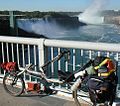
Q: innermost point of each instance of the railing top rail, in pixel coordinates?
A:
(20, 40)
(113, 47)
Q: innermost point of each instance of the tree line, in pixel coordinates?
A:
(38, 14)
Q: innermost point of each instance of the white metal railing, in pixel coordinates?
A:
(83, 45)
(37, 51)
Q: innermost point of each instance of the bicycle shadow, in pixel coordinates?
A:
(35, 94)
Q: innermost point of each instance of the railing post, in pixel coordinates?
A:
(41, 52)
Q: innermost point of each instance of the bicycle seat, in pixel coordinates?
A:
(67, 76)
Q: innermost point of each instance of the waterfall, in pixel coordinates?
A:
(40, 26)
(92, 14)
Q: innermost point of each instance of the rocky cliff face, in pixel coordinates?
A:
(4, 27)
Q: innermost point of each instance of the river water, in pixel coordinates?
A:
(95, 33)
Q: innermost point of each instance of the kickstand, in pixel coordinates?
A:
(25, 91)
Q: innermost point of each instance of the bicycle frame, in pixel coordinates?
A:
(41, 73)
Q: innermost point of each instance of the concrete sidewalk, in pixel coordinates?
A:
(31, 100)
(36, 100)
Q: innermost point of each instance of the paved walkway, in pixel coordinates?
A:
(31, 100)
(35, 100)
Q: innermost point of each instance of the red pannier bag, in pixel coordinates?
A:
(33, 86)
(10, 66)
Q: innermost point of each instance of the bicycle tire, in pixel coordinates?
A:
(74, 94)
(79, 101)
(15, 88)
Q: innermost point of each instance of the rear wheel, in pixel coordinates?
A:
(13, 85)
(81, 98)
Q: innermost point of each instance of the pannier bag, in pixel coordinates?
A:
(102, 86)
(104, 66)
(101, 90)
(10, 66)
(33, 86)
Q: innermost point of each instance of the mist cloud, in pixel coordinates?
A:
(92, 13)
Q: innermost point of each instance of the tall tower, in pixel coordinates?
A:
(13, 24)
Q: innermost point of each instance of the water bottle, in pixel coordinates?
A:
(76, 84)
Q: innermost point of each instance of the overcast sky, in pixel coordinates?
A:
(55, 5)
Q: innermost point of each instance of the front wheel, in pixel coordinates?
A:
(74, 94)
(81, 98)
(13, 85)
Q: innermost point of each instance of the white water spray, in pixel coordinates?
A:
(42, 27)
(92, 14)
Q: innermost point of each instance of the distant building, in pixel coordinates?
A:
(112, 20)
